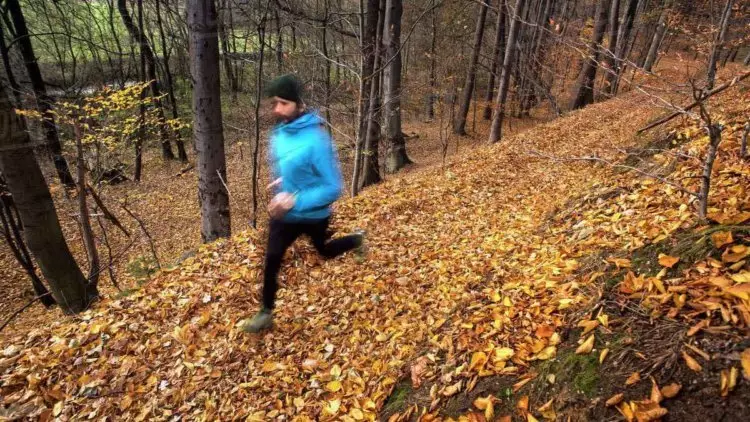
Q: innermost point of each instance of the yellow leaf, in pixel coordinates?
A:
(603, 355)
(332, 407)
(745, 360)
(502, 354)
(728, 381)
(616, 399)
(334, 386)
(586, 347)
(743, 277)
(299, 402)
(627, 411)
(588, 325)
(452, 389)
(523, 404)
(547, 353)
(667, 261)
(722, 238)
(670, 390)
(531, 418)
(57, 409)
(548, 410)
(482, 403)
(691, 362)
(478, 360)
(633, 378)
(125, 403)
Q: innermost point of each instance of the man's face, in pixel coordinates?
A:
(284, 110)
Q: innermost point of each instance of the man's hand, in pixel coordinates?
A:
(273, 185)
(280, 205)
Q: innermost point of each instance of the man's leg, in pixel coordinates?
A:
(330, 248)
(280, 236)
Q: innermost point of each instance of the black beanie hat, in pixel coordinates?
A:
(287, 87)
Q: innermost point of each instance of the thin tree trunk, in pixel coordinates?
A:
(138, 34)
(661, 30)
(279, 43)
(496, 132)
(84, 216)
(396, 155)
(718, 45)
(614, 30)
(459, 125)
(713, 147)
(14, 239)
(326, 68)
(207, 126)
(228, 68)
(9, 68)
(142, 109)
(371, 167)
(433, 62)
(181, 153)
(258, 89)
(44, 102)
(37, 213)
(496, 55)
(369, 37)
(585, 86)
(623, 39)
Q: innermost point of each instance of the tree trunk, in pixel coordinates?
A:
(459, 125)
(170, 84)
(43, 101)
(141, 138)
(326, 68)
(496, 54)
(714, 134)
(369, 29)
(261, 29)
(371, 167)
(587, 78)
(207, 126)
(9, 68)
(396, 155)
(84, 216)
(433, 62)
(496, 131)
(623, 39)
(228, 68)
(718, 45)
(661, 30)
(42, 230)
(743, 144)
(614, 30)
(137, 33)
(11, 228)
(279, 43)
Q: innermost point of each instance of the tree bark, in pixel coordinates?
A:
(623, 39)
(396, 155)
(614, 30)
(85, 217)
(44, 103)
(459, 125)
(207, 126)
(661, 30)
(228, 67)
(5, 53)
(433, 64)
(261, 29)
(369, 25)
(181, 153)
(718, 45)
(36, 210)
(371, 167)
(138, 34)
(496, 54)
(496, 131)
(12, 232)
(585, 86)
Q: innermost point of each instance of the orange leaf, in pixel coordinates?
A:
(633, 378)
(616, 399)
(745, 359)
(668, 261)
(722, 238)
(691, 362)
(671, 390)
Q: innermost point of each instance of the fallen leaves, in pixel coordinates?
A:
(668, 261)
(745, 361)
(691, 362)
(586, 346)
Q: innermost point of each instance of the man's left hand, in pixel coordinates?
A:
(281, 204)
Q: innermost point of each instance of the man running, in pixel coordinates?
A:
(307, 181)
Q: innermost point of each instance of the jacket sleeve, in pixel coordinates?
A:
(328, 187)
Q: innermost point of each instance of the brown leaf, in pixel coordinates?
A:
(691, 362)
(417, 370)
(671, 390)
(722, 238)
(614, 400)
(633, 378)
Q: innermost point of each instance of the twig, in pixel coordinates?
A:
(18, 312)
(108, 215)
(695, 103)
(145, 232)
(109, 254)
(224, 183)
(611, 164)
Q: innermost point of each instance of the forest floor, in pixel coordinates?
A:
(517, 281)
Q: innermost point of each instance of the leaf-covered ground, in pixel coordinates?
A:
(474, 270)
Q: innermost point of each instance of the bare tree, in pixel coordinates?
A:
(718, 44)
(656, 41)
(37, 213)
(396, 154)
(585, 85)
(496, 131)
(459, 125)
(207, 125)
(497, 54)
(623, 41)
(371, 171)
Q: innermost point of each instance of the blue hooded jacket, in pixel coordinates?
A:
(302, 154)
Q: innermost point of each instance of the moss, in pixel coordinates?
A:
(398, 397)
(585, 371)
(141, 267)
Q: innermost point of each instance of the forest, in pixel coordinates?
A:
(555, 196)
